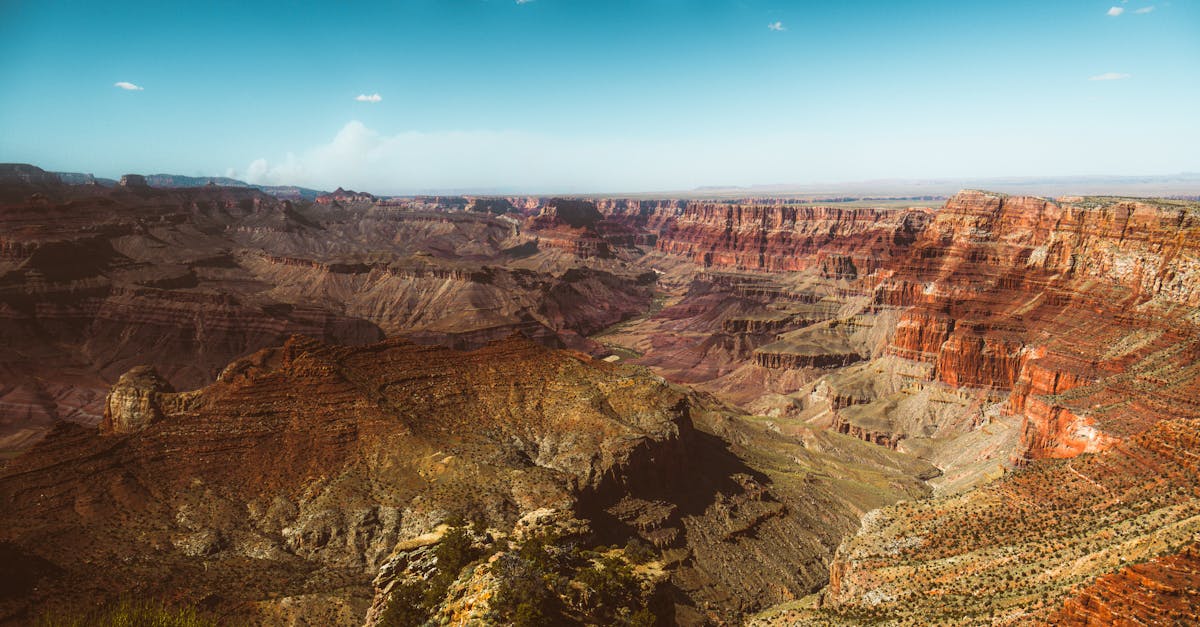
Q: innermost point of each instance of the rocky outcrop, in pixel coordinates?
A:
(505, 577)
(576, 214)
(974, 361)
(920, 334)
(495, 206)
(572, 225)
(134, 402)
(133, 180)
(837, 266)
(881, 438)
(787, 360)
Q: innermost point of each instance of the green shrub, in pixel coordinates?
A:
(613, 584)
(524, 596)
(412, 602)
(405, 606)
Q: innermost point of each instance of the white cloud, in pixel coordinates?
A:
(127, 86)
(514, 161)
(776, 26)
(524, 1)
(1115, 11)
(366, 98)
(1110, 76)
(1144, 10)
(359, 157)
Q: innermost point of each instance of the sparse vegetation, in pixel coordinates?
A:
(1025, 544)
(413, 601)
(131, 613)
(547, 581)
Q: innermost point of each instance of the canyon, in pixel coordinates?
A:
(278, 409)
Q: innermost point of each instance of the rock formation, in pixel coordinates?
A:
(134, 401)
(343, 196)
(577, 226)
(788, 238)
(133, 180)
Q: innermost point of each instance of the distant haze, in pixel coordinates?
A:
(558, 96)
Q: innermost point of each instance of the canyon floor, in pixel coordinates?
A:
(459, 410)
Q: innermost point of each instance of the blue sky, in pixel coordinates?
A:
(604, 95)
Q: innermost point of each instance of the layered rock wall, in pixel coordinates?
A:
(787, 238)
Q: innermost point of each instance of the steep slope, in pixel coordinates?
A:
(299, 470)
(1013, 551)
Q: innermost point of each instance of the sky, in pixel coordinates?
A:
(545, 96)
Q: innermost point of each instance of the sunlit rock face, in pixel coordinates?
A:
(134, 401)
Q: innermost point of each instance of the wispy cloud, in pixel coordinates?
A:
(359, 157)
(1110, 76)
(1115, 11)
(776, 26)
(1144, 10)
(127, 86)
(524, 1)
(366, 98)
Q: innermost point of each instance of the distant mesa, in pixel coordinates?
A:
(84, 178)
(19, 173)
(495, 206)
(574, 213)
(134, 180)
(175, 181)
(571, 225)
(342, 196)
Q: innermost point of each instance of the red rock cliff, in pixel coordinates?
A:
(1043, 297)
(784, 238)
